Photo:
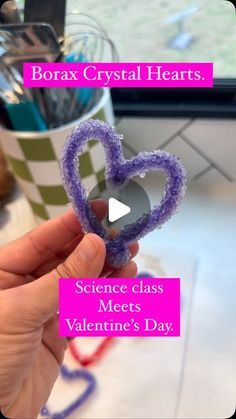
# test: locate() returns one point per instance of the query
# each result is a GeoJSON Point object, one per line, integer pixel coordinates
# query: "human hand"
{"type": "Point", "coordinates": [31, 350]}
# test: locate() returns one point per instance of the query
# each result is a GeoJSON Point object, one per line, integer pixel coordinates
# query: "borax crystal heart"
{"type": "Point", "coordinates": [118, 172]}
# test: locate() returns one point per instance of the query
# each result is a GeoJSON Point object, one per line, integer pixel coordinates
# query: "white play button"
{"type": "Point", "coordinates": [126, 204]}
{"type": "Point", "coordinates": [116, 210]}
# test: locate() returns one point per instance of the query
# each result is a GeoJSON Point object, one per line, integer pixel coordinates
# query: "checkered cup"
{"type": "Point", "coordinates": [34, 160]}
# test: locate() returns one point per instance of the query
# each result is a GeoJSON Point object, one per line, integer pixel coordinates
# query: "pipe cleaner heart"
{"type": "Point", "coordinates": [118, 172]}
{"type": "Point", "coordinates": [73, 375]}
{"type": "Point", "coordinates": [86, 360]}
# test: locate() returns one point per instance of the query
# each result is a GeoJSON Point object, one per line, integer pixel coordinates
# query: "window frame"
{"type": "Point", "coordinates": [216, 102]}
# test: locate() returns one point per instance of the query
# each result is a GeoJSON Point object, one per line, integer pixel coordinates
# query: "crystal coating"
{"type": "Point", "coordinates": [118, 172]}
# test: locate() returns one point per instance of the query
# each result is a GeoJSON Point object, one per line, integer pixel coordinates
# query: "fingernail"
{"type": "Point", "coordinates": [133, 268]}
{"type": "Point", "coordinates": [89, 247]}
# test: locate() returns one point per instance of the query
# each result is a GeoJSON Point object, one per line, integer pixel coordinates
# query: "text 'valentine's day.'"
{"type": "Point", "coordinates": [119, 307]}
{"type": "Point", "coordinates": [118, 74]}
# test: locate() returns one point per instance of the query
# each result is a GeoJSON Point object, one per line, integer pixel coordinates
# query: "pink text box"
{"type": "Point", "coordinates": [150, 74]}
{"type": "Point", "coordinates": [132, 307]}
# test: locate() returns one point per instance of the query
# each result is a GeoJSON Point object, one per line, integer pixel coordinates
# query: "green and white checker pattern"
{"type": "Point", "coordinates": [34, 160]}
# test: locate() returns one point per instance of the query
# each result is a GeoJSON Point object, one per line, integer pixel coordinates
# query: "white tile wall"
{"type": "Point", "coordinates": [217, 140]}
{"type": "Point", "coordinates": [210, 177]}
{"type": "Point", "coordinates": [201, 144]}
{"type": "Point", "coordinates": [193, 161]}
{"type": "Point", "coordinates": [149, 133]}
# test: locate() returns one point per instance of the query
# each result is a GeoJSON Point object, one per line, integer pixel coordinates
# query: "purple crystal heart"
{"type": "Point", "coordinates": [118, 172]}
{"type": "Point", "coordinates": [73, 375]}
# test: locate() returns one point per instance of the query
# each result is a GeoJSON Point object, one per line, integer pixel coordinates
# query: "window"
{"type": "Point", "coordinates": [167, 30]}
{"type": "Point", "coordinates": [170, 30]}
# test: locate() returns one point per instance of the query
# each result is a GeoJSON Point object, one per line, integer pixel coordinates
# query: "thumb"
{"type": "Point", "coordinates": [86, 261]}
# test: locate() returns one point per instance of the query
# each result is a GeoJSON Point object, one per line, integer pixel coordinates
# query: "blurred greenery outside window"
{"type": "Point", "coordinates": [167, 30]}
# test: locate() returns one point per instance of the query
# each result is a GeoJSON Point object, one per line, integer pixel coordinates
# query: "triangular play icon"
{"type": "Point", "coordinates": [116, 210]}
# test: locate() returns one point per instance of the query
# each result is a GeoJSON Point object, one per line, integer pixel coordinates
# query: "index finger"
{"type": "Point", "coordinates": [25, 254]}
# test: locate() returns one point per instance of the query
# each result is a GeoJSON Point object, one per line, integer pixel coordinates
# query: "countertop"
{"type": "Point", "coordinates": [189, 377]}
